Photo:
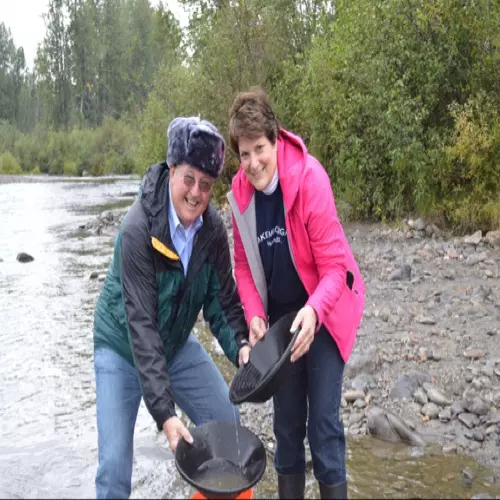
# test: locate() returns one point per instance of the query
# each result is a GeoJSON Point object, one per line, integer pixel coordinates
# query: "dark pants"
{"type": "Point", "coordinates": [317, 380]}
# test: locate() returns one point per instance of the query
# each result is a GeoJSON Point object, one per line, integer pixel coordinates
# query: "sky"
{"type": "Point", "coordinates": [24, 19]}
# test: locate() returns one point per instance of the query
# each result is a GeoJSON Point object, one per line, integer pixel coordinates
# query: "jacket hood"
{"type": "Point", "coordinates": [292, 156]}
{"type": "Point", "coordinates": [154, 189]}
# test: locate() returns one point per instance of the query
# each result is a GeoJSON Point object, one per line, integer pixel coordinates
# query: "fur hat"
{"type": "Point", "coordinates": [196, 142]}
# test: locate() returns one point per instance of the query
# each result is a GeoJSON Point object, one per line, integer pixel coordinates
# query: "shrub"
{"type": "Point", "coordinates": [9, 165]}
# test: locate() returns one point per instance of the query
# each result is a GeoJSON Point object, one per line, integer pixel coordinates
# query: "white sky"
{"type": "Point", "coordinates": [24, 18]}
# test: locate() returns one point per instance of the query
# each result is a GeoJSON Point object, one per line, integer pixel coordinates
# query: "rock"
{"type": "Point", "coordinates": [474, 353]}
{"type": "Point", "coordinates": [408, 384]}
{"type": "Point", "coordinates": [363, 381]}
{"type": "Point", "coordinates": [385, 425]}
{"type": "Point", "coordinates": [420, 396]}
{"type": "Point", "coordinates": [217, 349]}
{"type": "Point", "coordinates": [456, 408]}
{"type": "Point", "coordinates": [475, 404]}
{"type": "Point", "coordinates": [367, 362]}
{"type": "Point", "coordinates": [359, 404]}
{"type": "Point", "coordinates": [468, 419]}
{"type": "Point", "coordinates": [493, 238]}
{"type": "Point", "coordinates": [94, 275]}
{"type": "Point", "coordinates": [403, 273]}
{"type": "Point", "coordinates": [478, 435]}
{"type": "Point", "coordinates": [436, 396]}
{"type": "Point", "coordinates": [24, 257]}
{"type": "Point", "coordinates": [352, 395]}
{"type": "Point", "coordinates": [425, 320]}
{"type": "Point", "coordinates": [417, 225]}
{"type": "Point", "coordinates": [430, 410]}
{"type": "Point", "coordinates": [474, 259]}
{"type": "Point", "coordinates": [449, 448]}
{"type": "Point", "coordinates": [468, 474]}
{"type": "Point", "coordinates": [492, 429]}
{"type": "Point", "coordinates": [473, 239]}
{"type": "Point", "coordinates": [445, 415]}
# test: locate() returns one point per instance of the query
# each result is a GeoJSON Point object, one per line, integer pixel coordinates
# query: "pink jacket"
{"type": "Point", "coordinates": [319, 248]}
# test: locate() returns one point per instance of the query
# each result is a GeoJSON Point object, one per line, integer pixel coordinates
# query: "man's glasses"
{"type": "Point", "coordinates": [205, 186]}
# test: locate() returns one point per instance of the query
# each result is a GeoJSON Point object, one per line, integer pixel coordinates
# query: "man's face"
{"type": "Point", "coordinates": [190, 192]}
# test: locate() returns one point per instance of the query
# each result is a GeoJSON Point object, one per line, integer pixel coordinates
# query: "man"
{"type": "Point", "coordinates": [171, 259]}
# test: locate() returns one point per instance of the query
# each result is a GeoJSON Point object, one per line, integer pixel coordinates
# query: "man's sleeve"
{"type": "Point", "coordinates": [141, 298]}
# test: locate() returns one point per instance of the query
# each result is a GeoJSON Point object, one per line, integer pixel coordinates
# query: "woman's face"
{"type": "Point", "coordinates": [259, 160]}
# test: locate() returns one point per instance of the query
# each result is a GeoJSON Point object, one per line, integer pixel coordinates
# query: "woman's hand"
{"type": "Point", "coordinates": [257, 329]}
{"type": "Point", "coordinates": [306, 320]}
{"type": "Point", "coordinates": [244, 355]}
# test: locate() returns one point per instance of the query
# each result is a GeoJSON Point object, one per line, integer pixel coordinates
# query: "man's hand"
{"type": "Point", "coordinates": [306, 319]}
{"type": "Point", "coordinates": [174, 429]}
{"type": "Point", "coordinates": [244, 355]}
{"type": "Point", "coordinates": [257, 329]}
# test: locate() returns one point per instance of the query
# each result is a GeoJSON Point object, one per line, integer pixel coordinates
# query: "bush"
{"type": "Point", "coordinates": [9, 165]}
{"type": "Point", "coordinates": [470, 175]}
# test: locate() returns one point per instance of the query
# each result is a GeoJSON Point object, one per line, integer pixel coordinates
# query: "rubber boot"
{"type": "Point", "coordinates": [291, 486]}
{"type": "Point", "coordinates": [334, 492]}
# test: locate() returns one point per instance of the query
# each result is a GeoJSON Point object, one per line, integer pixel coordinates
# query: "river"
{"type": "Point", "coordinates": [48, 441]}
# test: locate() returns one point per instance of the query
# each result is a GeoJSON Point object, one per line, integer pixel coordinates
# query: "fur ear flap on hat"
{"type": "Point", "coordinates": [197, 143]}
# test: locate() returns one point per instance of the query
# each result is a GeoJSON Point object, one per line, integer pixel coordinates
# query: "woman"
{"type": "Point", "coordinates": [291, 254]}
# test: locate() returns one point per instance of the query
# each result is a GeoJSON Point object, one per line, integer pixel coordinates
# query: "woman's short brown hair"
{"type": "Point", "coordinates": [252, 116]}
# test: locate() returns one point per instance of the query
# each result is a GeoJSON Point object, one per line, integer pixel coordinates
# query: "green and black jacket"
{"type": "Point", "coordinates": [147, 308]}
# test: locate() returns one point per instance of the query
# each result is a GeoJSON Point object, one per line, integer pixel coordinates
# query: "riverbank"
{"type": "Point", "coordinates": [428, 347]}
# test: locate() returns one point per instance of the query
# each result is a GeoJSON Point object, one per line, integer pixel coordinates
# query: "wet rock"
{"type": "Point", "coordinates": [468, 475]}
{"type": "Point", "coordinates": [385, 425]}
{"type": "Point", "coordinates": [94, 275]}
{"type": "Point", "coordinates": [24, 257]}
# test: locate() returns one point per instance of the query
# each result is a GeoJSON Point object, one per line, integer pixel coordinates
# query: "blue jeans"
{"type": "Point", "coordinates": [317, 380]}
{"type": "Point", "coordinates": [199, 390]}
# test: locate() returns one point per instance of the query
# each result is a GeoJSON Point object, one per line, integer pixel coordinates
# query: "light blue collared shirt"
{"type": "Point", "coordinates": [182, 238]}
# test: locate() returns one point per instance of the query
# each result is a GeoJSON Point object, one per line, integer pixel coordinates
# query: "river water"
{"type": "Point", "coordinates": [48, 439]}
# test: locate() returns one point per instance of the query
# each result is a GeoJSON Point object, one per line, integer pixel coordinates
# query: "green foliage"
{"type": "Point", "coordinates": [398, 100]}
{"type": "Point", "coordinates": [376, 99]}
{"type": "Point", "coordinates": [9, 165]}
{"type": "Point", "coordinates": [470, 175]}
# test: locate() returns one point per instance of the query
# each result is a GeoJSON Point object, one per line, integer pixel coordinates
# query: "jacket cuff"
{"type": "Point", "coordinates": [162, 417]}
